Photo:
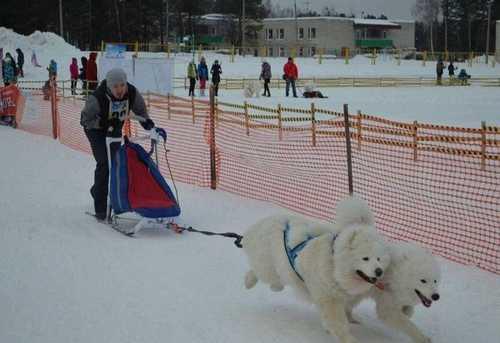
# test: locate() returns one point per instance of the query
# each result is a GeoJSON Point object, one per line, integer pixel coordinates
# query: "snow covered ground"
{"type": "Point", "coordinates": [65, 278]}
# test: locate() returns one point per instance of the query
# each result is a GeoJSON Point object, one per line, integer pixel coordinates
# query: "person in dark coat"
{"type": "Point", "coordinates": [9, 70]}
{"type": "Point", "coordinates": [266, 75]}
{"type": "Point", "coordinates": [216, 72]}
{"type": "Point", "coordinates": [83, 74]}
{"type": "Point", "coordinates": [20, 62]}
{"type": "Point", "coordinates": [103, 115]}
{"type": "Point", "coordinates": [451, 70]}
{"type": "Point", "coordinates": [439, 70]}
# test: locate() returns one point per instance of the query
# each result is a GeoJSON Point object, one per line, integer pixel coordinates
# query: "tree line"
{"type": "Point", "coordinates": [453, 25]}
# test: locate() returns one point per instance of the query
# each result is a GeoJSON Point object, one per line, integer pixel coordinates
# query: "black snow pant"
{"type": "Point", "coordinates": [192, 84]}
{"type": "Point", "coordinates": [266, 87]}
{"type": "Point", "coordinates": [73, 86]}
{"type": "Point", "coordinates": [99, 190]}
{"type": "Point", "coordinates": [216, 88]}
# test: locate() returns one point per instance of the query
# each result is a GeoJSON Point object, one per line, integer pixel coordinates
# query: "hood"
{"type": "Point", "coordinates": [93, 56]}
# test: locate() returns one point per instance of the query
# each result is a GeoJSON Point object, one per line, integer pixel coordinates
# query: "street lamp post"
{"type": "Point", "coordinates": [61, 19]}
{"type": "Point", "coordinates": [488, 32]}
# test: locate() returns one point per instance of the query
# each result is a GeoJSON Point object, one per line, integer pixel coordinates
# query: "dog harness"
{"type": "Point", "coordinates": [293, 253]}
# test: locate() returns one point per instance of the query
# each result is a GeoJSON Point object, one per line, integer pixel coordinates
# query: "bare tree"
{"type": "Point", "coordinates": [427, 11]}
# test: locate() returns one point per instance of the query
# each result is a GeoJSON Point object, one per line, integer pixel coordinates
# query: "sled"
{"type": "Point", "coordinates": [138, 195]}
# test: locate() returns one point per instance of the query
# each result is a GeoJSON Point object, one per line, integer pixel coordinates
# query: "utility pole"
{"type": "Point", "coordinates": [166, 20]}
{"type": "Point", "coordinates": [488, 32]}
{"type": "Point", "coordinates": [243, 26]}
{"type": "Point", "coordinates": [296, 24]}
{"type": "Point", "coordinates": [90, 25]}
{"type": "Point", "coordinates": [61, 32]}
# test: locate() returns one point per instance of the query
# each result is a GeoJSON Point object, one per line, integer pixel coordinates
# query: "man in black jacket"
{"type": "Point", "coordinates": [20, 62]}
{"type": "Point", "coordinates": [103, 115]}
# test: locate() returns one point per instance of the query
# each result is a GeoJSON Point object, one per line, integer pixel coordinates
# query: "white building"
{"type": "Point", "coordinates": [306, 35]}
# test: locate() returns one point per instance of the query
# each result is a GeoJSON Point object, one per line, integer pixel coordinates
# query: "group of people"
{"type": "Point", "coordinates": [440, 67]}
{"type": "Point", "coordinates": [200, 73]}
{"type": "Point", "coordinates": [87, 73]}
{"type": "Point", "coordinates": [12, 69]}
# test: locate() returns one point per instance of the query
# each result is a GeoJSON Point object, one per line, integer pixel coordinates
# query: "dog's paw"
{"type": "Point", "coordinates": [277, 288]}
{"type": "Point", "coordinates": [408, 311]}
{"type": "Point", "coordinates": [250, 279]}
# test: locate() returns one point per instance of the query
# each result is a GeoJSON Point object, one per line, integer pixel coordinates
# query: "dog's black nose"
{"type": "Point", "coordinates": [435, 297]}
{"type": "Point", "coordinates": [379, 272]}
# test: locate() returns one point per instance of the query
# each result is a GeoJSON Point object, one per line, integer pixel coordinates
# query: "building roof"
{"type": "Point", "coordinates": [216, 17]}
{"type": "Point", "coordinates": [308, 18]}
{"type": "Point", "coordinates": [376, 23]}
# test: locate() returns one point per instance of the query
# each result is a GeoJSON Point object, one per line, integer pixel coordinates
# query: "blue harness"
{"type": "Point", "coordinates": [293, 253]}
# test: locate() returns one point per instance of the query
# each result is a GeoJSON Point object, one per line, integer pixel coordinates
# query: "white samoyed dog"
{"type": "Point", "coordinates": [412, 278]}
{"type": "Point", "coordinates": [325, 263]}
{"type": "Point", "coordinates": [251, 89]}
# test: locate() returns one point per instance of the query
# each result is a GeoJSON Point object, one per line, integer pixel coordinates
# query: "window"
{"type": "Point", "coordinates": [270, 52]}
{"type": "Point", "coordinates": [312, 51]}
{"type": "Point", "coordinates": [312, 33]}
{"type": "Point", "coordinates": [301, 51]}
{"type": "Point", "coordinates": [301, 33]}
{"type": "Point", "coordinates": [269, 35]}
{"type": "Point", "coordinates": [214, 31]}
{"type": "Point", "coordinates": [282, 52]}
{"type": "Point", "coordinates": [385, 34]}
{"type": "Point", "coordinates": [281, 34]}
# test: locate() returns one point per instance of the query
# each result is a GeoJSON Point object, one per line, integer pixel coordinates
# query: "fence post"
{"type": "Point", "coordinates": [483, 145]}
{"type": "Point", "coordinates": [313, 123]}
{"type": "Point", "coordinates": [280, 123]}
{"type": "Point", "coordinates": [148, 101]}
{"type": "Point", "coordinates": [415, 140]}
{"type": "Point", "coordinates": [471, 57]}
{"type": "Point", "coordinates": [216, 110]}
{"type": "Point", "coordinates": [424, 58]}
{"type": "Point", "coordinates": [347, 55]}
{"type": "Point", "coordinates": [53, 103]}
{"type": "Point", "coordinates": [63, 86]}
{"type": "Point", "coordinates": [193, 109]}
{"type": "Point", "coordinates": [348, 148]}
{"type": "Point", "coordinates": [360, 137]}
{"type": "Point", "coordinates": [168, 106]}
{"type": "Point", "coordinates": [247, 119]}
{"type": "Point", "coordinates": [232, 54]}
{"type": "Point", "coordinates": [320, 59]}
{"type": "Point", "coordinates": [213, 165]}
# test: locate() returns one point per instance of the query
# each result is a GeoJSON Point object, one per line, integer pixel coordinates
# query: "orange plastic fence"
{"type": "Point", "coordinates": [436, 185]}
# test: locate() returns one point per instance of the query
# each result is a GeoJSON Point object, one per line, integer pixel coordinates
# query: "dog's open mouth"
{"type": "Point", "coordinates": [427, 302]}
{"type": "Point", "coordinates": [365, 277]}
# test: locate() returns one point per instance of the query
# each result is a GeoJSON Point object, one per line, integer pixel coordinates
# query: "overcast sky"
{"type": "Point", "coordinates": [394, 9]}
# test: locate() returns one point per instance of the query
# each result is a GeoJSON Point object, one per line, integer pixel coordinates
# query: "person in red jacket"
{"type": "Point", "coordinates": [73, 70]}
{"type": "Point", "coordinates": [92, 71]}
{"type": "Point", "coordinates": [291, 74]}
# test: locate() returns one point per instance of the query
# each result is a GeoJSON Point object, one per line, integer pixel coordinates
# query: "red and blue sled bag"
{"type": "Point", "coordinates": [138, 186]}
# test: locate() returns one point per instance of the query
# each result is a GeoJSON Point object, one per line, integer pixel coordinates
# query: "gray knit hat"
{"type": "Point", "coordinates": [115, 76]}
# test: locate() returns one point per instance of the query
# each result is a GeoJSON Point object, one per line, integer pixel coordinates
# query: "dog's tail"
{"type": "Point", "coordinates": [353, 210]}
